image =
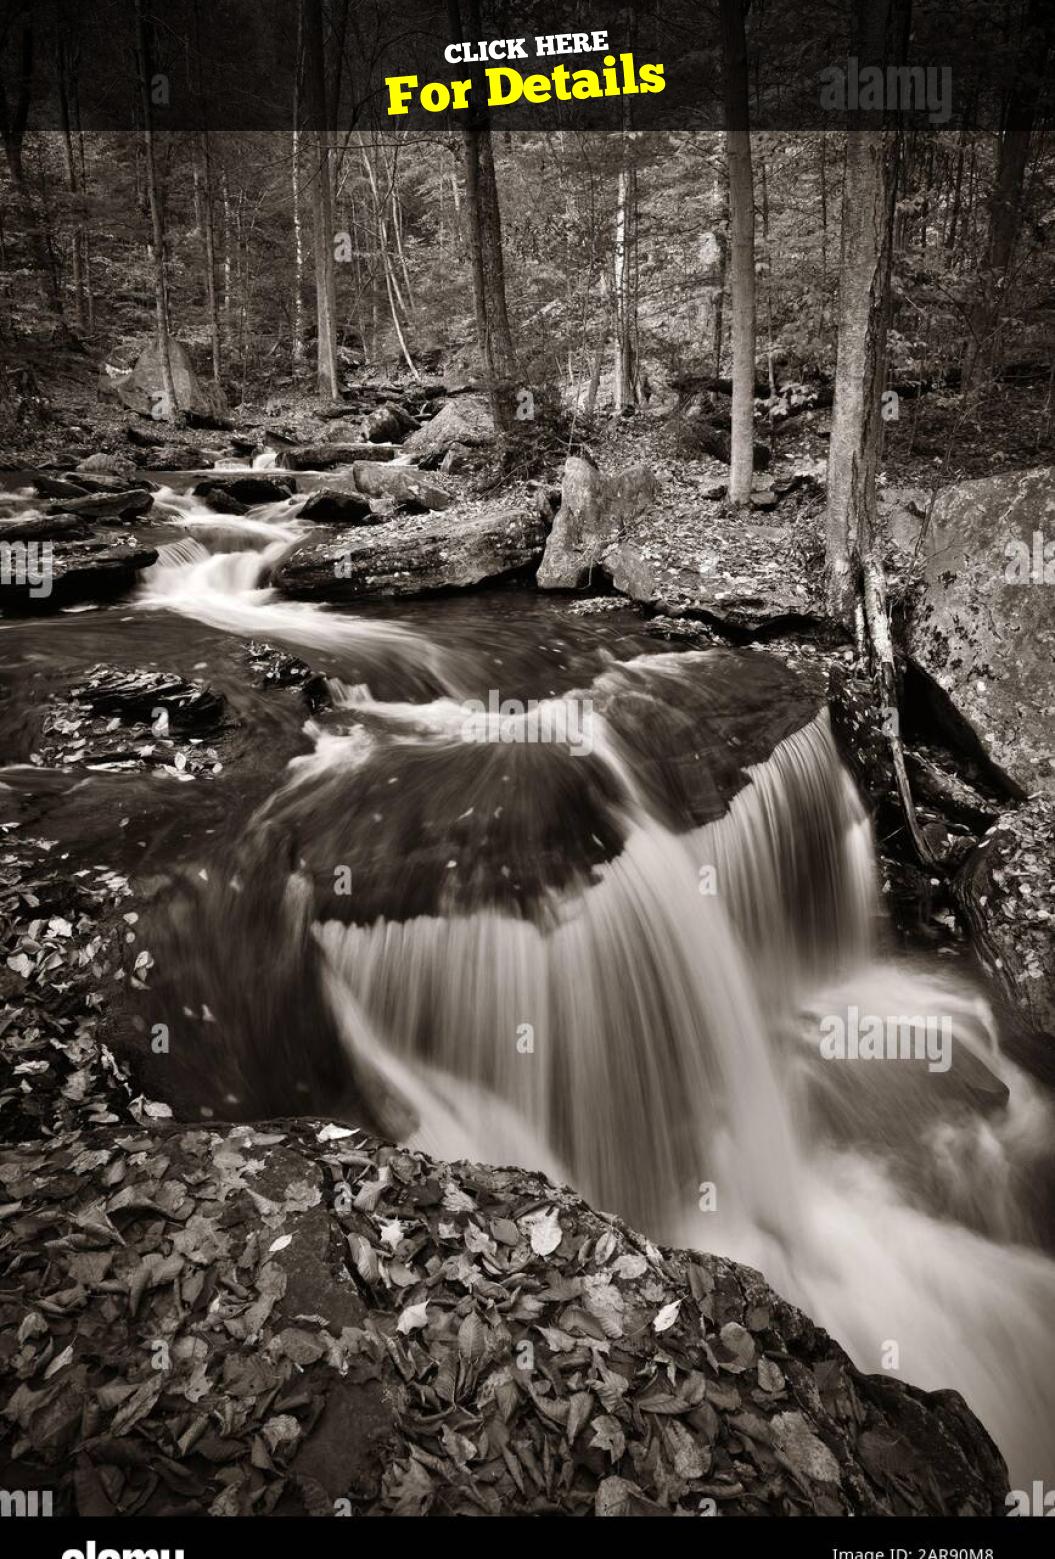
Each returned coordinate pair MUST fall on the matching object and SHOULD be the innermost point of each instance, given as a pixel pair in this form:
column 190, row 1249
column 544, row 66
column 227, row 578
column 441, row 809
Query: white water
column 672, row 1048
column 228, row 590
column 657, row 1039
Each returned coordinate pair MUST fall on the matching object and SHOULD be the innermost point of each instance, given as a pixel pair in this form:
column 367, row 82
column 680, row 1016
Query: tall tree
column 624, row 290
column 741, row 247
column 856, row 578
column 324, row 236
column 869, row 185
column 494, row 338
column 14, row 119
column 171, row 407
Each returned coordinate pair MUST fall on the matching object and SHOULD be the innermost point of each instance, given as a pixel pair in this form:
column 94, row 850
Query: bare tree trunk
column 863, row 305
column 171, row 407
column 857, row 586
column 595, row 373
column 623, row 290
column 298, row 354
column 742, row 248
column 209, row 235
column 228, row 261
column 322, row 202
column 77, row 245
column 494, row 338
column 395, row 300
column 489, row 293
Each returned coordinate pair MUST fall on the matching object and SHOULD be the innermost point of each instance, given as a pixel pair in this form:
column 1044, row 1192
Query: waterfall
column 620, row 965
column 656, row 1046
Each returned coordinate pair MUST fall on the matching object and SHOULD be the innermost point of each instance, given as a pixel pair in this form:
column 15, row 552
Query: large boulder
column 389, row 424
column 143, row 390
column 463, row 419
column 403, row 484
column 69, row 572
column 595, row 511
column 346, row 1327
column 685, row 555
column 248, row 489
column 412, row 556
column 336, row 506
column 107, row 465
column 99, row 506
column 984, row 623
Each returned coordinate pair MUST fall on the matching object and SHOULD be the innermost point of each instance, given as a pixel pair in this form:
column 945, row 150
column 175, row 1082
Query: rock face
column 413, row 556
column 984, row 626
column 595, row 511
column 73, row 571
column 352, row 1328
column 463, row 419
column 402, row 484
column 1007, row 892
column 142, row 390
column 748, row 575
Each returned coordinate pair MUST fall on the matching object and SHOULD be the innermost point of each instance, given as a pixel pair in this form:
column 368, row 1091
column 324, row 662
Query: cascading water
column 613, row 966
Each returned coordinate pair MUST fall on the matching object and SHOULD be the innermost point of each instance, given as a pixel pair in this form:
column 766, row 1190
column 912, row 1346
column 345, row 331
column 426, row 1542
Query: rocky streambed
column 337, row 1319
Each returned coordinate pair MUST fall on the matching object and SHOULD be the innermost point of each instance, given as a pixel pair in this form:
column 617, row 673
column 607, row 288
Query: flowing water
column 615, row 955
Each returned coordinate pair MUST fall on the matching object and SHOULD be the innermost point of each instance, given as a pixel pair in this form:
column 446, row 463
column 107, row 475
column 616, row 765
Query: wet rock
column 98, row 482
column 105, row 506
column 595, row 510
column 143, row 390
column 136, row 697
column 76, row 571
column 248, row 490
column 46, row 486
column 332, row 506
column 45, row 527
column 389, row 424
column 984, row 625
column 462, row 419
column 323, row 457
column 1007, row 892
column 413, row 556
column 693, row 1380
column 273, row 667
column 221, row 501
column 403, row 484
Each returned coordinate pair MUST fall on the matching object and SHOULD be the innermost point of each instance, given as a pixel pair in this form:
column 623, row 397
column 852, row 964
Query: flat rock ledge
column 414, row 555
column 295, row 1317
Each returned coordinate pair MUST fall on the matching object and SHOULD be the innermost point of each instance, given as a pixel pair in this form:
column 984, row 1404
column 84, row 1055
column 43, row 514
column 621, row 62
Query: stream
column 556, row 895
